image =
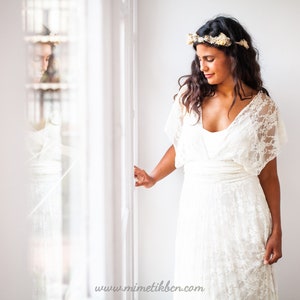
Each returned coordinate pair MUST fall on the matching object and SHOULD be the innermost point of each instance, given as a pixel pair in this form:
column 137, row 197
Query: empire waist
column 216, row 171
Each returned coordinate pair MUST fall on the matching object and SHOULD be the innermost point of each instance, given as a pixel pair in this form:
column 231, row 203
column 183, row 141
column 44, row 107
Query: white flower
column 243, row 43
column 220, row 40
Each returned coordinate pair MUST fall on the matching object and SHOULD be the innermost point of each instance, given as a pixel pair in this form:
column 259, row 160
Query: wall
column 14, row 278
column 163, row 56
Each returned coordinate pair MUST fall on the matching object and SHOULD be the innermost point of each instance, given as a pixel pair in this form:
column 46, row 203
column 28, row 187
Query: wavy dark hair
column 245, row 67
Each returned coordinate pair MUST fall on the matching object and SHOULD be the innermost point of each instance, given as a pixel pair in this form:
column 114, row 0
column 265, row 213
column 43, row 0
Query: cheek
column 225, row 68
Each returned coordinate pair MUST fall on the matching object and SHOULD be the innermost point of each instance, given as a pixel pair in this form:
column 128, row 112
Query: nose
column 203, row 66
column 45, row 62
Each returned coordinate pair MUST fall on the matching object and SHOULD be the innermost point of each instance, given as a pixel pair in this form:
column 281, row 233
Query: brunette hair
column 245, row 67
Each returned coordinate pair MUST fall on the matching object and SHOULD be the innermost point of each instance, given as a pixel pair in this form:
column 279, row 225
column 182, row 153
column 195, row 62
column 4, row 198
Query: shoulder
column 178, row 99
column 265, row 105
column 265, row 115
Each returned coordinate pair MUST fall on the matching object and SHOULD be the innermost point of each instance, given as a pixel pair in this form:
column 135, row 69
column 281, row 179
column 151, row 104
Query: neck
column 226, row 89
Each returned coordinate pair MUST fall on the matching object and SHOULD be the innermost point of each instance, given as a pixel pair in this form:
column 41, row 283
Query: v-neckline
column 234, row 120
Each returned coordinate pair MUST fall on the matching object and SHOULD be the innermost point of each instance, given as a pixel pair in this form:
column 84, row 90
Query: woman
column 226, row 133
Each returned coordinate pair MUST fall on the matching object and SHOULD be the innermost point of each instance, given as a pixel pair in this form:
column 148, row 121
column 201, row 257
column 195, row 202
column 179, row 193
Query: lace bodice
column 252, row 139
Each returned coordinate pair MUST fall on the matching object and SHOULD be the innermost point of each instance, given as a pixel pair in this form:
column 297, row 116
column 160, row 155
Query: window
column 80, row 111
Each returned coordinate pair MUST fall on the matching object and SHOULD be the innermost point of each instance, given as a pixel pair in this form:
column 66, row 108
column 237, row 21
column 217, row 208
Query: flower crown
column 220, row 40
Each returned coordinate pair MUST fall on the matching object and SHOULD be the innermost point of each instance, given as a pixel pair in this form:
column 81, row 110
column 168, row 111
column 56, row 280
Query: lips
column 208, row 75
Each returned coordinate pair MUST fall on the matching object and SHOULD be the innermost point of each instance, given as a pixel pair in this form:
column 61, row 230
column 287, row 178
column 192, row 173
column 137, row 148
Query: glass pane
column 55, row 105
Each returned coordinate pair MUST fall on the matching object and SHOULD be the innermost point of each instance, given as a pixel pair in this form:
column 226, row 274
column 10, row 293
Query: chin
column 212, row 82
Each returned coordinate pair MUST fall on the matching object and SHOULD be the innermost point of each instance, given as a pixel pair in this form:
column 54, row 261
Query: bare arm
column 163, row 168
column 271, row 187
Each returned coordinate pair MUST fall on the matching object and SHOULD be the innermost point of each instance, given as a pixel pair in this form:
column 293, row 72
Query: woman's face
column 215, row 64
column 40, row 59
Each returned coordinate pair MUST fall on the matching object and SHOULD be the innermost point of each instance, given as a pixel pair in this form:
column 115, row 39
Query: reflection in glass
column 57, row 215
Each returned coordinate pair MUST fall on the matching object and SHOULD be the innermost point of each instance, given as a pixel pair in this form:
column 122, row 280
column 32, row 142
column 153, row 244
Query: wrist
column 277, row 230
column 153, row 177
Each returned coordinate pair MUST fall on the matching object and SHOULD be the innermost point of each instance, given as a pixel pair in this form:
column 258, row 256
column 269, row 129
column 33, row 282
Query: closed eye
column 207, row 58
column 210, row 59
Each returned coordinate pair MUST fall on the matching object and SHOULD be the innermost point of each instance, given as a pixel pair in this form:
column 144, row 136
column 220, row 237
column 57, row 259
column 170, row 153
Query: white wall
column 14, row 278
column 163, row 57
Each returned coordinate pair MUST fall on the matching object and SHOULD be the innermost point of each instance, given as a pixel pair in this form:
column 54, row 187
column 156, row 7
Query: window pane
column 55, row 111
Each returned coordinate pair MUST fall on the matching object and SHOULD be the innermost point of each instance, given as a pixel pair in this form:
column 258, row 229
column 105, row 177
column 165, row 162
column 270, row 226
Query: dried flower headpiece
column 220, row 40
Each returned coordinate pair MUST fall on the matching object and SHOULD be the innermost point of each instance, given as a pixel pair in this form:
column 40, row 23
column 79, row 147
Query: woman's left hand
column 273, row 249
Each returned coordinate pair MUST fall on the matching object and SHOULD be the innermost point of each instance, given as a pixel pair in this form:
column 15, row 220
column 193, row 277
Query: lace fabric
column 47, row 174
column 256, row 134
column 224, row 220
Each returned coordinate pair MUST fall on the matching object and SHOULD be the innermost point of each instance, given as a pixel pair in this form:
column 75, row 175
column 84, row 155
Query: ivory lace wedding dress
column 224, row 220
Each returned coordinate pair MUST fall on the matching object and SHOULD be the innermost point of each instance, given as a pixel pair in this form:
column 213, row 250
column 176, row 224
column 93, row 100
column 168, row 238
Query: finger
column 136, row 173
column 136, row 168
column 140, row 178
column 267, row 256
column 139, row 183
column 275, row 257
column 140, row 175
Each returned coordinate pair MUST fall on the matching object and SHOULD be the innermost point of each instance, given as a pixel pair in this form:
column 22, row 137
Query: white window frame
column 111, row 144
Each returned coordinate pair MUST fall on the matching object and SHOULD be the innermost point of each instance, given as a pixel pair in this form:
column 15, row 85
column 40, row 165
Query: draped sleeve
column 267, row 136
column 173, row 127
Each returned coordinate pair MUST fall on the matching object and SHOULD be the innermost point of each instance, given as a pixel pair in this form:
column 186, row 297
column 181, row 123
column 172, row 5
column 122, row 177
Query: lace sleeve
column 270, row 134
column 173, row 128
